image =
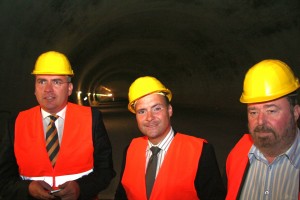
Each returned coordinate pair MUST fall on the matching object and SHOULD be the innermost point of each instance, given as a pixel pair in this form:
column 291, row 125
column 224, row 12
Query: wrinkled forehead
column 52, row 77
column 280, row 102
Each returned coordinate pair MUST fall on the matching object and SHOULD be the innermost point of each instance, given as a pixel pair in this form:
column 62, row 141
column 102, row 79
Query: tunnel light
column 105, row 88
column 105, row 95
column 79, row 97
column 78, row 94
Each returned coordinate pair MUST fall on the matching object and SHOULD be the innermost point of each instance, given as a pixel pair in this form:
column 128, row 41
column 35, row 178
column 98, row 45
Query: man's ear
column 70, row 89
column 170, row 110
column 297, row 114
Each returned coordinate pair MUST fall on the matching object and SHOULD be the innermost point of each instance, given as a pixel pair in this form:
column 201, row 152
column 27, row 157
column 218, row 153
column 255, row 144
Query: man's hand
column 70, row 191
column 40, row 190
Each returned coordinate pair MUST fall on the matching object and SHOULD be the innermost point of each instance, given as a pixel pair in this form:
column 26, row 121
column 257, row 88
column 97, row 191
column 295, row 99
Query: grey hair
column 69, row 79
column 293, row 98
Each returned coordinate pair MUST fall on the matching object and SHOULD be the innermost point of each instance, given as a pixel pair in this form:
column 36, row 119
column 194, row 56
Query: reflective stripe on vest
column 58, row 179
column 76, row 150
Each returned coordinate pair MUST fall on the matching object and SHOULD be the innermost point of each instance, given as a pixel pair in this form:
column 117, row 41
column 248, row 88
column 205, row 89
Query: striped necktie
column 52, row 144
column 151, row 170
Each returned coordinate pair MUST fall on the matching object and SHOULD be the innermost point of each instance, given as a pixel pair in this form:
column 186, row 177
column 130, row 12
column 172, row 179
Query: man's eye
column 57, row 82
column 271, row 111
column 252, row 112
column 157, row 108
column 41, row 82
column 140, row 112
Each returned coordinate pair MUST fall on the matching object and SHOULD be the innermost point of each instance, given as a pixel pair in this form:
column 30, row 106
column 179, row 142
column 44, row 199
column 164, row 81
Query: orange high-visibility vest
column 75, row 157
column 175, row 179
column 236, row 164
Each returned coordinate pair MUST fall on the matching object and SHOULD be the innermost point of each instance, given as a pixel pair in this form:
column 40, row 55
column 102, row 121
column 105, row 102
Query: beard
column 266, row 140
column 272, row 142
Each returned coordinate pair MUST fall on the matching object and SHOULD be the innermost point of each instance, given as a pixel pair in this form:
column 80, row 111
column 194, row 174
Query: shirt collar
column 164, row 143
column 293, row 153
column 61, row 113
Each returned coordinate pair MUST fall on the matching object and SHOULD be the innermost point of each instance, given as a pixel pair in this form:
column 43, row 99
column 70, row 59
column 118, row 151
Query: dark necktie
column 52, row 144
column 151, row 170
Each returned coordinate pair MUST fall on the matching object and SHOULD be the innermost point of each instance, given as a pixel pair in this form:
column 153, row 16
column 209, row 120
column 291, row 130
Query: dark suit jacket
column 208, row 181
column 14, row 188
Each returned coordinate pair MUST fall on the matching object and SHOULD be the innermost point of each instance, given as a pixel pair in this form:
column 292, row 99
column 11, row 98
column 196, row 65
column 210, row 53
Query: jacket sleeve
column 208, row 182
column 120, row 192
column 91, row 184
column 11, row 185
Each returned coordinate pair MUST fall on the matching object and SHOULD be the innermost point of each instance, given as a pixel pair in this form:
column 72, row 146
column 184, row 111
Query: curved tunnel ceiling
column 142, row 44
column 199, row 49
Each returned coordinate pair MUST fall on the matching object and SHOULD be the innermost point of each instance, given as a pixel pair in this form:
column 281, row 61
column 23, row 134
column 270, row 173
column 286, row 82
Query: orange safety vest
column 236, row 164
column 175, row 179
column 75, row 157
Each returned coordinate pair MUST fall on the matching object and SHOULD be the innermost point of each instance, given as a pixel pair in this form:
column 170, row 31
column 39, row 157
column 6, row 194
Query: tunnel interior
column 200, row 50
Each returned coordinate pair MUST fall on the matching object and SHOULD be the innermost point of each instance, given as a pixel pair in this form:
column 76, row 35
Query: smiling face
column 52, row 92
column 272, row 125
column 153, row 116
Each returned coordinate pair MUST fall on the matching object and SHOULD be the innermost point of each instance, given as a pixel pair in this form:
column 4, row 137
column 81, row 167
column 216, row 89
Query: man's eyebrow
column 265, row 106
column 56, row 79
column 270, row 105
column 158, row 104
column 153, row 106
column 50, row 79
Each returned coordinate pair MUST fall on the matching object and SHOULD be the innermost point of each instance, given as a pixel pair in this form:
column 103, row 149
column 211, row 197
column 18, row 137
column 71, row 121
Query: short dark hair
column 293, row 98
column 166, row 99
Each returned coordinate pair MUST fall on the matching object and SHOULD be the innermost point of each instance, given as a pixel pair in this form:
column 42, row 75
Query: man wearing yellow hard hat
column 265, row 164
column 165, row 164
column 57, row 149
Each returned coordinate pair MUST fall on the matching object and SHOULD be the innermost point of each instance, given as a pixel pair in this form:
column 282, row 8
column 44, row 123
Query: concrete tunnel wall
column 199, row 49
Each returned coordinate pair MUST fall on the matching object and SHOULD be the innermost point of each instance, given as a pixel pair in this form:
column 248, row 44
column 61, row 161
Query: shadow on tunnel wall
column 4, row 117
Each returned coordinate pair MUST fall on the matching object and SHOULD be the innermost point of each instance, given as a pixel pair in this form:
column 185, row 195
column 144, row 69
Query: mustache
column 263, row 129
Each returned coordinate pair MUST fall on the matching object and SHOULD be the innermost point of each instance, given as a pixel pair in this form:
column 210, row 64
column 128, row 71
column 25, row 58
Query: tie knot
column 53, row 117
column 155, row 150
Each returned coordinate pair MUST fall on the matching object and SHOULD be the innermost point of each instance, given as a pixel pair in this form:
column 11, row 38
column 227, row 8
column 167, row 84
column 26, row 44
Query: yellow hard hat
column 144, row 86
column 53, row 63
column 268, row 80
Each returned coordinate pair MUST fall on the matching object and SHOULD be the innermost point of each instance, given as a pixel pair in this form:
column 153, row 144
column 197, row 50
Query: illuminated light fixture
column 105, row 88
column 78, row 95
column 105, row 95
